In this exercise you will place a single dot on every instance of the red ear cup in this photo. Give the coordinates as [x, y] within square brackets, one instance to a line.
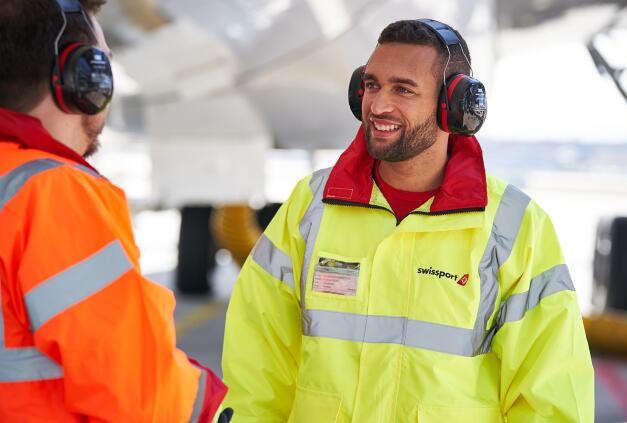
[356, 91]
[82, 81]
[57, 76]
[462, 105]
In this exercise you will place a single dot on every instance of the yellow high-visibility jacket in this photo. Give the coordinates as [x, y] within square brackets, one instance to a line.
[464, 311]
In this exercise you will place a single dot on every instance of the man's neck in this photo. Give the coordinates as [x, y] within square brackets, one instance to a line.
[422, 173]
[63, 127]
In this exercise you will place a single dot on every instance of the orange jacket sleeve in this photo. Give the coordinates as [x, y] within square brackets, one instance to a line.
[90, 310]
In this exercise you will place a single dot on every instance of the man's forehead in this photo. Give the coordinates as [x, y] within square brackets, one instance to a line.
[401, 55]
[404, 61]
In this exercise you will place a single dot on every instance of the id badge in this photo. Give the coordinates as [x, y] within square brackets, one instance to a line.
[336, 277]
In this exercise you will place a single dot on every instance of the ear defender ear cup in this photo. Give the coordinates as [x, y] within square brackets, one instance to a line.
[356, 91]
[82, 80]
[462, 105]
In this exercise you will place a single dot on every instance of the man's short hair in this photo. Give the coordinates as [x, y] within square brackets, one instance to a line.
[28, 29]
[413, 32]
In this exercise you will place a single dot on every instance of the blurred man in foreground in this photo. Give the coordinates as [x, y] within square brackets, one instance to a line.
[404, 284]
[83, 336]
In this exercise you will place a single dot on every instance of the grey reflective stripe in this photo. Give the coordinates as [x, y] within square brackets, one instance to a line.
[76, 283]
[200, 397]
[274, 261]
[13, 181]
[24, 364]
[336, 324]
[88, 170]
[309, 227]
[548, 283]
[27, 365]
[1, 320]
[391, 330]
[442, 338]
[505, 227]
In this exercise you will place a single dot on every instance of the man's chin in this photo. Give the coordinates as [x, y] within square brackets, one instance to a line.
[92, 128]
[378, 147]
[377, 150]
[92, 148]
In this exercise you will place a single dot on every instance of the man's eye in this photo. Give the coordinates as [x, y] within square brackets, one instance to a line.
[370, 85]
[402, 90]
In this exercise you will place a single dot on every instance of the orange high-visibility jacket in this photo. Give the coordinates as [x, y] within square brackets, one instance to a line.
[83, 336]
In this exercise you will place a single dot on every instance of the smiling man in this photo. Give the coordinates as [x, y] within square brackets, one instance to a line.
[404, 284]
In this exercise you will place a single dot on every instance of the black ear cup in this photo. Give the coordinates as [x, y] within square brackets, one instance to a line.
[462, 105]
[82, 80]
[356, 91]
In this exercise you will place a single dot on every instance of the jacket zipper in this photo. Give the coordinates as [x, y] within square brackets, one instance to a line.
[398, 222]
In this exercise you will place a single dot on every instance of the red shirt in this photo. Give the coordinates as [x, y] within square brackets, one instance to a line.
[402, 202]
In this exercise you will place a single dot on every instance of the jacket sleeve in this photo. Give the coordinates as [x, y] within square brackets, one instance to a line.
[263, 325]
[546, 369]
[91, 311]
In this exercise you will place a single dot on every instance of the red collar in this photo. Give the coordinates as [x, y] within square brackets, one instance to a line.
[464, 185]
[30, 133]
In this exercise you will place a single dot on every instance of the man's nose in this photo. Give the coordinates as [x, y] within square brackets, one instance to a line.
[381, 103]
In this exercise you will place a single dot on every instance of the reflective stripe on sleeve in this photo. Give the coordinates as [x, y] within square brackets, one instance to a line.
[274, 261]
[200, 397]
[544, 285]
[27, 365]
[76, 283]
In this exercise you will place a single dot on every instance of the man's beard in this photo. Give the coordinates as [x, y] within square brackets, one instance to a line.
[412, 141]
[92, 128]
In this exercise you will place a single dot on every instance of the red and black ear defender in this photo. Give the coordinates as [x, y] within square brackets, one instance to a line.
[82, 80]
[356, 91]
[462, 106]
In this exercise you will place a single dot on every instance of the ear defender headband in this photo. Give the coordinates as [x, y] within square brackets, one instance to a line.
[462, 106]
[81, 80]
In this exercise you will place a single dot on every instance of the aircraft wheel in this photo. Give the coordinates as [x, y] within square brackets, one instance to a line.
[196, 251]
[610, 263]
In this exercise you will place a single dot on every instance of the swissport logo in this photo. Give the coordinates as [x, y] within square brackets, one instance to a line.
[442, 274]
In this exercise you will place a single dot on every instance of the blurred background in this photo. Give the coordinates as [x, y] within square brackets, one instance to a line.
[222, 105]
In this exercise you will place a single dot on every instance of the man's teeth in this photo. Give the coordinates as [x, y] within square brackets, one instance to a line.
[386, 127]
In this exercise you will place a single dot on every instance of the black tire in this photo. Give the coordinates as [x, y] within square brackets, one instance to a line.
[196, 251]
[610, 263]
